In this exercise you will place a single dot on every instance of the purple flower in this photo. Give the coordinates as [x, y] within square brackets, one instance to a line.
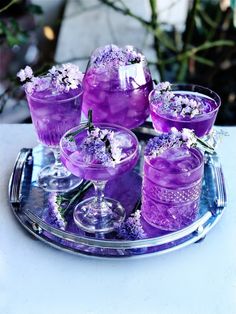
[157, 145]
[54, 212]
[66, 77]
[131, 229]
[63, 78]
[100, 146]
[185, 106]
[116, 56]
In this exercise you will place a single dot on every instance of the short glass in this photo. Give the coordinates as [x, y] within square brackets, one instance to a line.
[117, 92]
[171, 188]
[201, 124]
[53, 113]
[99, 213]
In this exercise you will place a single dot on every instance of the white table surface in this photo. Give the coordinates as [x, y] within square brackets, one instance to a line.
[36, 278]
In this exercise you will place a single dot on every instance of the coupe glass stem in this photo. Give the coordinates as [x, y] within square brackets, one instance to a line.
[100, 203]
[58, 166]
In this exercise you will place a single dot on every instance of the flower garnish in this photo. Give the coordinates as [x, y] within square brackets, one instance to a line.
[174, 139]
[63, 78]
[185, 106]
[56, 217]
[116, 56]
[66, 77]
[131, 229]
[100, 147]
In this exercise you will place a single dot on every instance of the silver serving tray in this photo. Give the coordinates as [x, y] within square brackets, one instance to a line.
[32, 207]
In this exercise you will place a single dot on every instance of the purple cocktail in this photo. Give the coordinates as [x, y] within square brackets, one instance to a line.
[116, 86]
[172, 187]
[99, 155]
[53, 113]
[55, 103]
[183, 106]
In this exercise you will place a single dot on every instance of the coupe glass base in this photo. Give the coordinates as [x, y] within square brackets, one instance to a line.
[90, 218]
[53, 179]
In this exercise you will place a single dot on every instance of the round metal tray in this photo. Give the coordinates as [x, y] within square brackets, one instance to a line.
[32, 206]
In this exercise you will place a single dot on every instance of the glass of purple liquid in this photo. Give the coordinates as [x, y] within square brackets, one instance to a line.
[171, 188]
[170, 114]
[98, 213]
[116, 86]
[53, 113]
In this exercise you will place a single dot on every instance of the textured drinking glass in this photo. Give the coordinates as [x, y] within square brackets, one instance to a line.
[53, 113]
[98, 213]
[201, 124]
[172, 187]
[117, 92]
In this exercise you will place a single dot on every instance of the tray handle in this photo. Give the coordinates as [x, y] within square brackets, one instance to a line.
[221, 199]
[16, 177]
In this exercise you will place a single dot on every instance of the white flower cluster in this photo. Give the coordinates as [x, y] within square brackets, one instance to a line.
[185, 106]
[163, 87]
[188, 137]
[66, 77]
[63, 78]
[25, 74]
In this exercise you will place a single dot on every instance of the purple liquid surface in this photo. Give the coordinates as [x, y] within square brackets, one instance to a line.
[171, 188]
[74, 160]
[54, 113]
[201, 124]
[119, 99]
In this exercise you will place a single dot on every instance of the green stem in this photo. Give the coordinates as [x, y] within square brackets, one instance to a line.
[189, 27]
[206, 146]
[89, 125]
[9, 5]
[156, 43]
[206, 45]
[125, 10]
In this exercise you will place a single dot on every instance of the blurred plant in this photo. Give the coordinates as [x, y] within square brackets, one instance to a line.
[200, 54]
[17, 27]
[11, 31]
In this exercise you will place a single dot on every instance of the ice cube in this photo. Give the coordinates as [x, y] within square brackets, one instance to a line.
[123, 140]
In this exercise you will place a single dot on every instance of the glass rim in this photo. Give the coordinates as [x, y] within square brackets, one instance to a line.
[190, 87]
[195, 149]
[94, 166]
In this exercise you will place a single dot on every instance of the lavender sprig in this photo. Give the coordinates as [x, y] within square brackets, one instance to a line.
[174, 139]
[65, 201]
[131, 229]
[56, 213]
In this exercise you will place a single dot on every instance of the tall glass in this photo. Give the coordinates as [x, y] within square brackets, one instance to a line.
[202, 124]
[53, 113]
[99, 213]
[172, 187]
[117, 92]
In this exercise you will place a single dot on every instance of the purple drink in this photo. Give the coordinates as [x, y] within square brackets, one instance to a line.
[99, 155]
[53, 113]
[77, 162]
[193, 107]
[55, 103]
[116, 86]
[171, 188]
